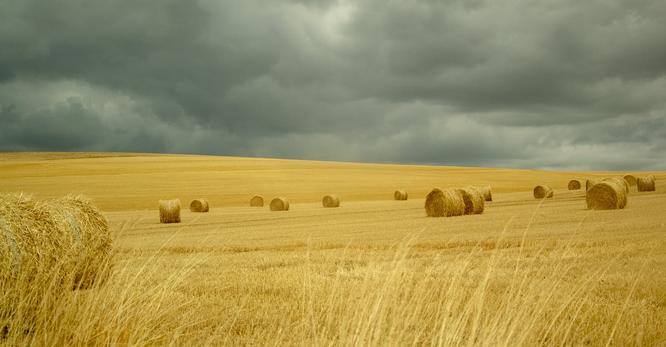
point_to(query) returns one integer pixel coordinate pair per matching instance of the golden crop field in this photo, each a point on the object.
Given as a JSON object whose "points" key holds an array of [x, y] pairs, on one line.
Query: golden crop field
{"points": [[372, 272]]}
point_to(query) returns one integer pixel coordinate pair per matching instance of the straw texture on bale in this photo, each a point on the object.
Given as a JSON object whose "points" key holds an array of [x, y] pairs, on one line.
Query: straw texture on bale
{"points": [[631, 179], [543, 192], [331, 201], [606, 195], [646, 184], [620, 181], [487, 193], [257, 201], [169, 211], [445, 203], [279, 204], [64, 241], [199, 205], [590, 182], [574, 185], [473, 200], [400, 195]]}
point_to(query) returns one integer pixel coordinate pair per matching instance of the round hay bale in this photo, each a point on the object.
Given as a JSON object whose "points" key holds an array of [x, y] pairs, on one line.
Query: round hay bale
{"points": [[444, 203], [400, 195], [487, 193], [590, 182], [331, 201], [257, 201], [279, 204], [473, 200], [169, 211], [574, 185], [606, 195], [543, 192], [87, 229], [620, 181], [631, 179], [199, 205], [646, 184]]}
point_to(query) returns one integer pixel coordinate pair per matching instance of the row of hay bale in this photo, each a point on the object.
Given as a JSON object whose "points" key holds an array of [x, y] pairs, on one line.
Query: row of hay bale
{"points": [[457, 202]]}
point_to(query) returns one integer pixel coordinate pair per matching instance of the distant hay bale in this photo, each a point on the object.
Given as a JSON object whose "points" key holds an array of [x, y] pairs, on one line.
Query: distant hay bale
{"points": [[257, 201], [199, 205], [444, 203], [63, 242], [473, 200], [487, 193], [169, 211], [574, 185], [606, 195], [646, 184], [279, 204], [590, 182], [331, 201], [400, 195], [620, 181], [631, 179], [543, 192]]}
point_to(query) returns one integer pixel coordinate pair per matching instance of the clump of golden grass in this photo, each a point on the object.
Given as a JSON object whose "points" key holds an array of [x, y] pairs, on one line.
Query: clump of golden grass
{"points": [[646, 184], [620, 182], [487, 193], [199, 205], [169, 211], [331, 201], [590, 182], [257, 201], [606, 195], [473, 200], [574, 185], [400, 195], [445, 203], [631, 179], [279, 204], [543, 192], [48, 248]]}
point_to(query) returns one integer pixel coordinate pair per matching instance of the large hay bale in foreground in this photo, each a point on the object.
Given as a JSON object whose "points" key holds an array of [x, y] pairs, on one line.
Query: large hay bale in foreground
{"points": [[331, 201], [257, 201], [646, 184], [631, 179], [445, 203], [64, 241], [590, 182], [620, 181], [574, 185], [199, 205], [473, 200], [487, 193], [606, 195], [279, 204], [543, 192], [400, 195], [169, 211]]}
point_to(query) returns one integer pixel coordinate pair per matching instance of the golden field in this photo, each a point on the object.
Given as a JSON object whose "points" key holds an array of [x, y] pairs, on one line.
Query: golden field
{"points": [[372, 272]]}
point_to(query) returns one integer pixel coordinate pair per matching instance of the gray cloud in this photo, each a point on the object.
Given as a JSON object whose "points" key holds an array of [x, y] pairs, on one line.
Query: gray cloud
{"points": [[494, 83]]}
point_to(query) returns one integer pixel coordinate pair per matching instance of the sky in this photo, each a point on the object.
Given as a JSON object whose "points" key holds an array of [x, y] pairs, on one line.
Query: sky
{"points": [[564, 84]]}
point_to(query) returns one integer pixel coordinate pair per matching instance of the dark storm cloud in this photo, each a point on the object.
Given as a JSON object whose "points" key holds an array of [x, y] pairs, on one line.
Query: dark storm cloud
{"points": [[563, 84]]}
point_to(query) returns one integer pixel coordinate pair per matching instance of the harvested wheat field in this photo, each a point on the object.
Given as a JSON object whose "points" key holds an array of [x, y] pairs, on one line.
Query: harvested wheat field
{"points": [[374, 271]]}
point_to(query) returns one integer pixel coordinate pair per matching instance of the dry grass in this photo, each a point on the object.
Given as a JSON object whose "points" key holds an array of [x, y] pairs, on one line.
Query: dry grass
{"points": [[376, 272]]}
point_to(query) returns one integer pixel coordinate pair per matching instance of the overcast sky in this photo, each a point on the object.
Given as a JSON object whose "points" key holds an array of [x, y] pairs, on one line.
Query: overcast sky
{"points": [[564, 84]]}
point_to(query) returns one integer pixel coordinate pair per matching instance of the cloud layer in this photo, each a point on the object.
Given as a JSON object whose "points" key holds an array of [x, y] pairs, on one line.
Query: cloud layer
{"points": [[565, 85]]}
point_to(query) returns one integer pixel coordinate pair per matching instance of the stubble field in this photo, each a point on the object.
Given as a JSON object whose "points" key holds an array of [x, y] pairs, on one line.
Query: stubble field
{"points": [[373, 271]]}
